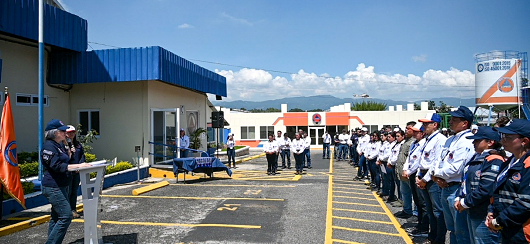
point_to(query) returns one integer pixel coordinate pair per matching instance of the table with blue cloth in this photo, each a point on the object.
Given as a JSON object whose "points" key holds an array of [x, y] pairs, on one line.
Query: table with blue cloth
{"points": [[206, 165]]}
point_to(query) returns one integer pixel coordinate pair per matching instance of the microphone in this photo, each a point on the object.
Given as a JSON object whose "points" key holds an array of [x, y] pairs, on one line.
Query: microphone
{"points": [[69, 141]]}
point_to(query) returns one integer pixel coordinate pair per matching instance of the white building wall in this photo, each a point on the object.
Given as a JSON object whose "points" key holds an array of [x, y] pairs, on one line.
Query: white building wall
{"points": [[20, 65]]}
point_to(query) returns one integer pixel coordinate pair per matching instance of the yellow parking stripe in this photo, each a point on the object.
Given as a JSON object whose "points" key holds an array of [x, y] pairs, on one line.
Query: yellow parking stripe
{"points": [[174, 224], [351, 188], [347, 242], [198, 198], [354, 203], [356, 193], [361, 198], [364, 220], [291, 186], [358, 211], [366, 231], [401, 231]]}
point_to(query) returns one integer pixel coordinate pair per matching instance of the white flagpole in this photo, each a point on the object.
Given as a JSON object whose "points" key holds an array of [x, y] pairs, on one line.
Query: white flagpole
{"points": [[41, 80]]}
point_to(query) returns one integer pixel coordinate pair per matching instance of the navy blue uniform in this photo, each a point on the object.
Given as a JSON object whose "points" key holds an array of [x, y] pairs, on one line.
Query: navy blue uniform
{"points": [[511, 201], [55, 164]]}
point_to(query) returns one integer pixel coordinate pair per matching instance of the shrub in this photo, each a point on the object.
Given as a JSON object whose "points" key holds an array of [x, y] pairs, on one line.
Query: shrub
{"points": [[123, 165], [27, 188], [27, 157], [89, 157], [29, 169]]}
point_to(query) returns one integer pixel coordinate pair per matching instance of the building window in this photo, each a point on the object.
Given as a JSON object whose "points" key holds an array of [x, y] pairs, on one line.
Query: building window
{"points": [[89, 120], [30, 100], [248, 132], [264, 132], [371, 128]]}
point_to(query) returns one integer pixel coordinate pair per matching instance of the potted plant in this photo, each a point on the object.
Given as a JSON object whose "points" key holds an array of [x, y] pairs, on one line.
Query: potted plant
{"points": [[195, 139]]}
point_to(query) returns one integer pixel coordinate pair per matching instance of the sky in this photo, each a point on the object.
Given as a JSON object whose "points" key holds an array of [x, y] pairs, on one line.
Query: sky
{"points": [[270, 49]]}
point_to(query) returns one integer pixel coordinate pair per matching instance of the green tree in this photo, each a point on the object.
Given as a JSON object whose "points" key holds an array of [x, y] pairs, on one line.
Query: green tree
{"points": [[315, 110], [296, 110], [369, 106]]}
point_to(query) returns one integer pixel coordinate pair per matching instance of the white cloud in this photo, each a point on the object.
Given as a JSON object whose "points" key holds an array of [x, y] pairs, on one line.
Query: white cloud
{"points": [[185, 26], [422, 58], [259, 85], [237, 20]]}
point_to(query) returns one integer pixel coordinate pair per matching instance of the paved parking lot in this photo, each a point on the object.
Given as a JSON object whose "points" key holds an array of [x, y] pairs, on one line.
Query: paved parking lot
{"points": [[322, 206]]}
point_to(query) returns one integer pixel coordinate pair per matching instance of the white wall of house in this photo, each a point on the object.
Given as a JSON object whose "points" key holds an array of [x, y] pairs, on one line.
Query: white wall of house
{"points": [[20, 74]]}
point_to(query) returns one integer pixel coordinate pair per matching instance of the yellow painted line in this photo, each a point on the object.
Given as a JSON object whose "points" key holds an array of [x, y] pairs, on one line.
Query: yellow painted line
{"points": [[289, 186], [361, 198], [174, 224], [329, 212], [197, 198], [354, 203], [331, 165], [351, 188], [358, 211], [19, 218], [365, 231], [24, 225], [270, 179], [149, 188], [159, 173], [356, 193], [343, 184], [364, 220], [347, 242], [401, 231], [253, 157], [297, 177]]}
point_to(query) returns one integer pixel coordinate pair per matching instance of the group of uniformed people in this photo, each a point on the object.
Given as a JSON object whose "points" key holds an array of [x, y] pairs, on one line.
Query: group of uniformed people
{"points": [[282, 146], [474, 185]]}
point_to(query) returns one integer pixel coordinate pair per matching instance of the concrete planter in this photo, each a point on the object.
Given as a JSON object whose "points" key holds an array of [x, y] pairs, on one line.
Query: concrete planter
{"points": [[36, 199], [222, 155]]}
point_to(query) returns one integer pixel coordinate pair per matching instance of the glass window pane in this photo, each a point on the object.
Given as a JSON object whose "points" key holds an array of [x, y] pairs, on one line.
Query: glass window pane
{"points": [[263, 132], [251, 132], [244, 132], [94, 121], [83, 121], [23, 99]]}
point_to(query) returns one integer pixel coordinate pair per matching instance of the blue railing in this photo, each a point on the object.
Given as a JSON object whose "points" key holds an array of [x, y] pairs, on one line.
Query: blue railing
{"points": [[174, 149]]}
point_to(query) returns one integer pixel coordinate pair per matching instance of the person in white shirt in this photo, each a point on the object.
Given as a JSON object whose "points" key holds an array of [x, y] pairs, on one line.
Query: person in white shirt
{"points": [[372, 152], [298, 146], [271, 150], [430, 154], [307, 151], [343, 147], [382, 160], [456, 151], [285, 151], [231, 151], [393, 152], [326, 139], [363, 140], [184, 144], [278, 140]]}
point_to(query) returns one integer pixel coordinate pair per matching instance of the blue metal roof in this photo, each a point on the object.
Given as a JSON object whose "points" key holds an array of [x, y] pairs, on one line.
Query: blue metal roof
{"points": [[62, 29], [133, 64]]}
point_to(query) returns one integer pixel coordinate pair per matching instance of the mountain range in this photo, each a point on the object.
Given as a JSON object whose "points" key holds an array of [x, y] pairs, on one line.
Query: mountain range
{"points": [[324, 102]]}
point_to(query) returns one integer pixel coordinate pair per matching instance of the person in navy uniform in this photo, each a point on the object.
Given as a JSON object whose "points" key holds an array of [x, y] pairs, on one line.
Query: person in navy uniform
{"points": [[56, 179], [478, 182], [78, 156], [510, 211]]}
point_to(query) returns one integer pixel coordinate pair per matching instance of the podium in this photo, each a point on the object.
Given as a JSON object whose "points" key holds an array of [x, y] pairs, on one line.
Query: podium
{"points": [[91, 188]]}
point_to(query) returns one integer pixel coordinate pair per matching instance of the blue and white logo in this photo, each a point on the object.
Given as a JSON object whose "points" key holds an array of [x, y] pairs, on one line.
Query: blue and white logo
{"points": [[480, 67], [10, 153]]}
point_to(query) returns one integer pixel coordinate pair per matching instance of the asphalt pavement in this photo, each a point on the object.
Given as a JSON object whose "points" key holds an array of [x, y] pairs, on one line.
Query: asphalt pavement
{"points": [[322, 206]]}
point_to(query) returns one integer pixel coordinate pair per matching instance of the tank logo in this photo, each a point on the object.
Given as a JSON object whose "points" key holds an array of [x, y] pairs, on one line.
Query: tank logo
{"points": [[317, 118], [505, 84], [10, 153], [480, 67]]}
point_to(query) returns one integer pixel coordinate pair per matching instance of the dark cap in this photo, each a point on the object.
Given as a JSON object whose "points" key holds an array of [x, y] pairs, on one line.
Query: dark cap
{"points": [[485, 132], [463, 112], [516, 126], [56, 124]]}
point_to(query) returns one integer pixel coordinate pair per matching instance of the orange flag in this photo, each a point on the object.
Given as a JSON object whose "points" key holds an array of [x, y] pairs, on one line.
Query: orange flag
{"points": [[9, 171]]}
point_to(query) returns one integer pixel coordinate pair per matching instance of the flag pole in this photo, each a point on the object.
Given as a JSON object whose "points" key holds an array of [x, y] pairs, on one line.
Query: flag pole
{"points": [[41, 81], [1, 185]]}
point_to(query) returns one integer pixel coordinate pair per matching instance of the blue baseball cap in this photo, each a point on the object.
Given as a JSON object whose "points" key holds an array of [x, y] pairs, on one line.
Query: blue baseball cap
{"points": [[516, 126], [463, 112], [56, 124], [485, 132], [431, 117]]}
